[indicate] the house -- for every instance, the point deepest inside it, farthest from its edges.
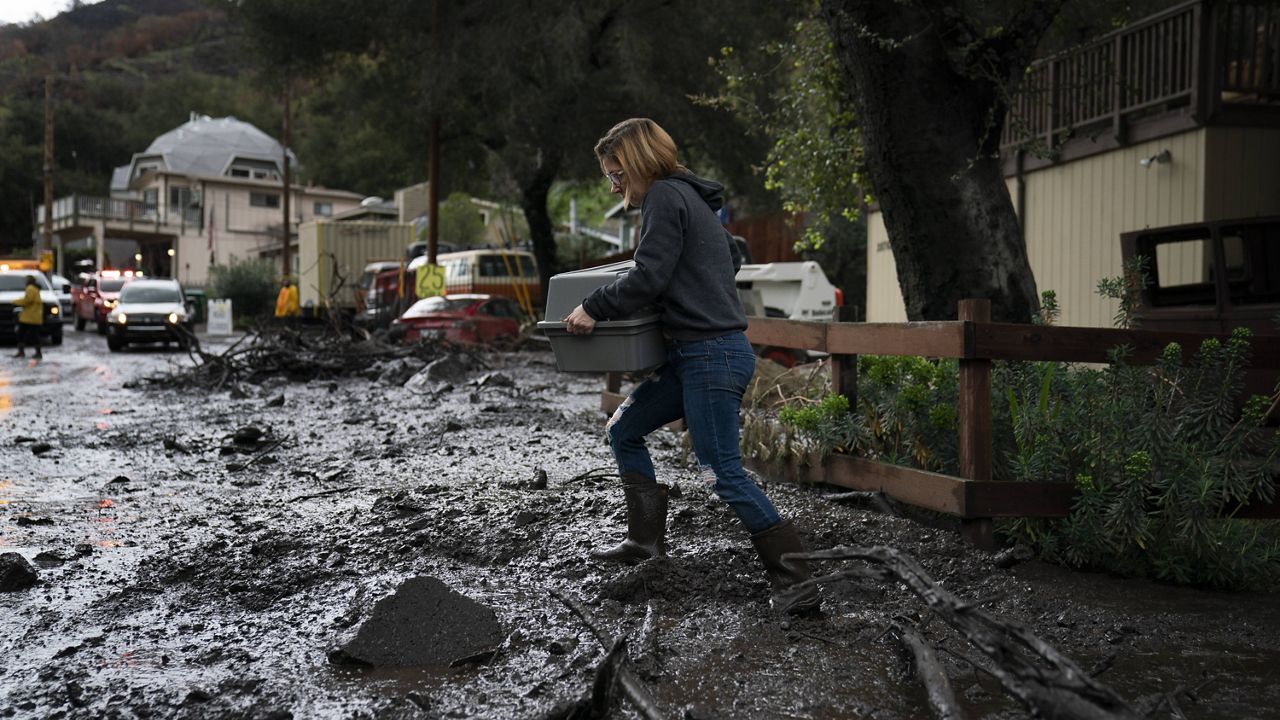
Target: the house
(207, 192)
(503, 223)
(1174, 119)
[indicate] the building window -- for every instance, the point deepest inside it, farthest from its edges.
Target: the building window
(266, 200)
(179, 197)
(323, 209)
(239, 172)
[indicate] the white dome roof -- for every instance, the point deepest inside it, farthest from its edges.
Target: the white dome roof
(207, 146)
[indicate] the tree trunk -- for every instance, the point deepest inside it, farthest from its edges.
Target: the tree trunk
(930, 135)
(534, 190)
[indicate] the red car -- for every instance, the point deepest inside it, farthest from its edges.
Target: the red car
(464, 319)
(97, 295)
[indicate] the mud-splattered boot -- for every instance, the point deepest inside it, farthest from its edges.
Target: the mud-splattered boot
(771, 545)
(646, 522)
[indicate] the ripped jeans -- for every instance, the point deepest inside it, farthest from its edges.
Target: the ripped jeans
(702, 382)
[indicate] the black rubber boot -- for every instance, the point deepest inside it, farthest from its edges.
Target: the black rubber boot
(646, 522)
(771, 545)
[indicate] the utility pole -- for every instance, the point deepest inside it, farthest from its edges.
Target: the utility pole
(48, 165)
(288, 186)
(433, 163)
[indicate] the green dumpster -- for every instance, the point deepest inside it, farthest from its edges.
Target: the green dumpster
(196, 301)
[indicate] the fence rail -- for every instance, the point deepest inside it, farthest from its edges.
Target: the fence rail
(975, 341)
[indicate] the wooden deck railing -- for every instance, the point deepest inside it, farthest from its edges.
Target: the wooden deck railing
(974, 497)
(1195, 55)
(69, 211)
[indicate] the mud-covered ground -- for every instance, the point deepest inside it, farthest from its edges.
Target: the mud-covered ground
(183, 574)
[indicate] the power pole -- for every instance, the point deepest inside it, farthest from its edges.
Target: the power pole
(288, 186)
(48, 165)
(433, 163)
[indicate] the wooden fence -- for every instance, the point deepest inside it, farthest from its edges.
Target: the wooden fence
(975, 342)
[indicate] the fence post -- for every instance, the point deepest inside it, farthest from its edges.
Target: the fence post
(844, 368)
(975, 419)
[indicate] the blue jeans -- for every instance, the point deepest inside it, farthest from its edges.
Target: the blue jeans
(702, 382)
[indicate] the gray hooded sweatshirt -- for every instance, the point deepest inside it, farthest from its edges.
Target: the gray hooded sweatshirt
(686, 264)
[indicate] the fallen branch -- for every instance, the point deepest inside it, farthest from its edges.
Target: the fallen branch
(273, 349)
(873, 498)
(262, 452)
(1035, 673)
(941, 697)
(599, 473)
(632, 687)
(334, 491)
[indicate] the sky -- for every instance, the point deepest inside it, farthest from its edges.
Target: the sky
(16, 11)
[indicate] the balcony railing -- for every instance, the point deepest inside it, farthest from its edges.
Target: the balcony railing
(1198, 56)
(70, 210)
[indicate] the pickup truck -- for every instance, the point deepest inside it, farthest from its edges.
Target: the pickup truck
(793, 290)
(96, 294)
(1210, 276)
(1213, 277)
(13, 284)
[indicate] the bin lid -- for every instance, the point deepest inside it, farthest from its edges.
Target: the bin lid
(567, 290)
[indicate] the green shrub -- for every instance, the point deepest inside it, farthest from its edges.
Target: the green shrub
(1161, 455)
(1162, 459)
(250, 286)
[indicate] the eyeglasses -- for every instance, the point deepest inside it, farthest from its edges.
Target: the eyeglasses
(614, 177)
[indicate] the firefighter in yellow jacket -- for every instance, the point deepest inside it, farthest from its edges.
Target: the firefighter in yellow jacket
(287, 301)
(30, 319)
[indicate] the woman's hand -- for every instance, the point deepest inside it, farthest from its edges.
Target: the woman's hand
(579, 322)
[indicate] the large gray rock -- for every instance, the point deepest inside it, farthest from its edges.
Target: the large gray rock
(16, 573)
(422, 623)
(450, 368)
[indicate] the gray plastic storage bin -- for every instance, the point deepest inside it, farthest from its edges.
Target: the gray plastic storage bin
(623, 345)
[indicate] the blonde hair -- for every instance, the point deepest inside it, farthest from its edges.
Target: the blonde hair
(644, 150)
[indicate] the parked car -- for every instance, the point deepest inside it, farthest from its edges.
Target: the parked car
(13, 283)
(62, 288)
(468, 319)
(149, 311)
(507, 273)
(794, 290)
(96, 296)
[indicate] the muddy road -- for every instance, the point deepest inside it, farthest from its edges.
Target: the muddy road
(213, 554)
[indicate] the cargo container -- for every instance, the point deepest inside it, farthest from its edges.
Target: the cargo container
(333, 255)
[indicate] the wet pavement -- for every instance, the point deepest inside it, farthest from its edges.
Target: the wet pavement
(183, 573)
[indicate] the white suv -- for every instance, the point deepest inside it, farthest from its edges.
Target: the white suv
(149, 311)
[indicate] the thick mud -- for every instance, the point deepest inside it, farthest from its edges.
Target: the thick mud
(189, 567)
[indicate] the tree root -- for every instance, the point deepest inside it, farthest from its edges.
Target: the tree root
(1046, 682)
(632, 687)
(941, 697)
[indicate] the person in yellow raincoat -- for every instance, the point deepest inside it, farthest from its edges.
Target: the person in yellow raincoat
(30, 319)
(287, 301)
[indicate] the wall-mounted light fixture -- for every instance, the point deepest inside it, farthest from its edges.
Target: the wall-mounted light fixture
(1163, 157)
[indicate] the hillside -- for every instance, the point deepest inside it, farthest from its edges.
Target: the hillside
(124, 72)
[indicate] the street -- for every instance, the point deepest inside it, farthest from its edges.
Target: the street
(213, 554)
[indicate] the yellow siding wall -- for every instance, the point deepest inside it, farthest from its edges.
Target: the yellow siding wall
(1242, 173)
(884, 296)
(1077, 210)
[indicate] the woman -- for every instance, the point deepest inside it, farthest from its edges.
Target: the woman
(30, 319)
(685, 265)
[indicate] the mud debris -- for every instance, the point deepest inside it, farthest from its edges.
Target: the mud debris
(422, 623)
(16, 573)
(238, 585)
